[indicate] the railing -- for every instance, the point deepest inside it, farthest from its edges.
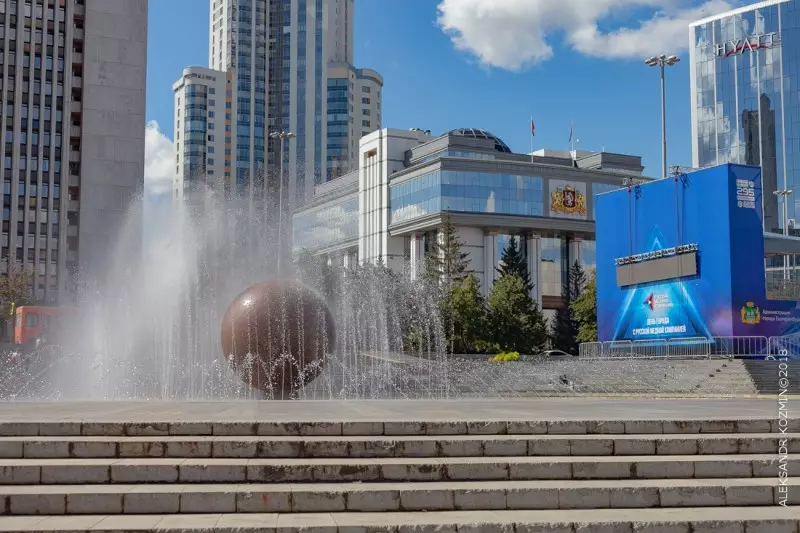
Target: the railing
(691, 348)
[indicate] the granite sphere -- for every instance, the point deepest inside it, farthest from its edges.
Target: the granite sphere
(276, 335)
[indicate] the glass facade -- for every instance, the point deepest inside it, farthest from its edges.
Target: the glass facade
(457, 153)
(746, 103)
(334, 224)
(338, 127)
(472, 192)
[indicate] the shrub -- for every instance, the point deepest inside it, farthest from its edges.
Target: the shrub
(505, 357)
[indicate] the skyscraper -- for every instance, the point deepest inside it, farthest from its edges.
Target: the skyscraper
(200, 107)
(73, 83)
(354, 110)
(354, 95)
(275, 54)
(743, 64)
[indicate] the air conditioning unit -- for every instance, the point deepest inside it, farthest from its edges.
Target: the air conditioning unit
(792, 223)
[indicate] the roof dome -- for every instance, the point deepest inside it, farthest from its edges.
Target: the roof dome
(499, 145)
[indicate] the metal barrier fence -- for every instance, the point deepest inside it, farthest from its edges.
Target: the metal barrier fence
(739, 346)
(691, 348)
(590, 350)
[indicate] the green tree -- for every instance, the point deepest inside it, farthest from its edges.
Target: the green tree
(446, 262)
(514, 263)
(446, 265)
(468, 313)
(565, 324)
(585, 310)
(514, 319)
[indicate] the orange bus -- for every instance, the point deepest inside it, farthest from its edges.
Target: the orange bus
(35, 322)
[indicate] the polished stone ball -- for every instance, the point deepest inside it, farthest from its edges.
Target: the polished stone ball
(275, 335)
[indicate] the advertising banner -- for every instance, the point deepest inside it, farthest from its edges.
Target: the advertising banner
(716, 290)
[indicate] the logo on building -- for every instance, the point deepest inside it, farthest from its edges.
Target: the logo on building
(745, 44)
(568, 200)
(650, 301)
(751, 314)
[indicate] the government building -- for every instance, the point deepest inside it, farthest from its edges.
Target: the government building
(391, 208)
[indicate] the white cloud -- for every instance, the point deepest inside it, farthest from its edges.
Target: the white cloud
(159, 160)
(513, 34)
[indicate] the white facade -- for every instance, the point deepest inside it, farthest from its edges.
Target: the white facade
(279, 74)
(200, 102)
(74, 150)
(381, 153)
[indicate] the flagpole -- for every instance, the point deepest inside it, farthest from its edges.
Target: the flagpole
(531, 128)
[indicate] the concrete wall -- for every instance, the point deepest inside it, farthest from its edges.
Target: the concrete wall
(112, 141)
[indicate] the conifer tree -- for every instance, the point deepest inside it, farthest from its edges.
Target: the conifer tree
(514, 263)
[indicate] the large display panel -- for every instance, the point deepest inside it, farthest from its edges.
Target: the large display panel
(709, 220)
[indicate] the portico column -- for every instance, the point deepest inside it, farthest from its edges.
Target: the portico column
(346, 259)
(574, 251)
(534, 255)
(417, 254)
(489, 261)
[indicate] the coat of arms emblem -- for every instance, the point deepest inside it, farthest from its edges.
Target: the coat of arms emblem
(751, 314)
(568, 200)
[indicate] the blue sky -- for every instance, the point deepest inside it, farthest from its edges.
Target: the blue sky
(468, 63)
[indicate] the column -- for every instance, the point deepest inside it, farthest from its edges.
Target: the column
(489, 261)
(575, 251)
(346, 259)
(534, 254)
(417, 254)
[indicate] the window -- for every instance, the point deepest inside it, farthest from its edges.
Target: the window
(365, 112)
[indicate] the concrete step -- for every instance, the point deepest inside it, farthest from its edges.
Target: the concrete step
(172, 470)
(773, 519)
(577, 426)
(404, 446)
(392, 497)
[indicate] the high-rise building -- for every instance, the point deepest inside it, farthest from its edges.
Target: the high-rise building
(200, 105)
(341, 32)
(354, 110)
(353, 94)
(744, 65)
(286, 62)
(73, 83)
(275, 53)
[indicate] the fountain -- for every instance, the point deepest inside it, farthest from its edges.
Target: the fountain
(151, 329)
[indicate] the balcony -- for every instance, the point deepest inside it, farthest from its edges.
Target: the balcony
(77, 57)
(77, 33)
(74, 180)
(75, 156)
(75, 131)
(76, 107)
(77, 82)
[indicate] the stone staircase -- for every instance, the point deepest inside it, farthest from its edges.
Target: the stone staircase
(766, 377)
(348, 477)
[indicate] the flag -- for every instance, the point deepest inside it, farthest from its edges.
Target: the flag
(533, 128)
(571, 128)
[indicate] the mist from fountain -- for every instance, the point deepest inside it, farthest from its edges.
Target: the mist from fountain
(150, 330)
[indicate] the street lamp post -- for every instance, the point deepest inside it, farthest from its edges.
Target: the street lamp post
(663, 61)
(282, 136)
(784, 194)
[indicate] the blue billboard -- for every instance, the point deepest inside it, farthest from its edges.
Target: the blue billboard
(713, 217)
